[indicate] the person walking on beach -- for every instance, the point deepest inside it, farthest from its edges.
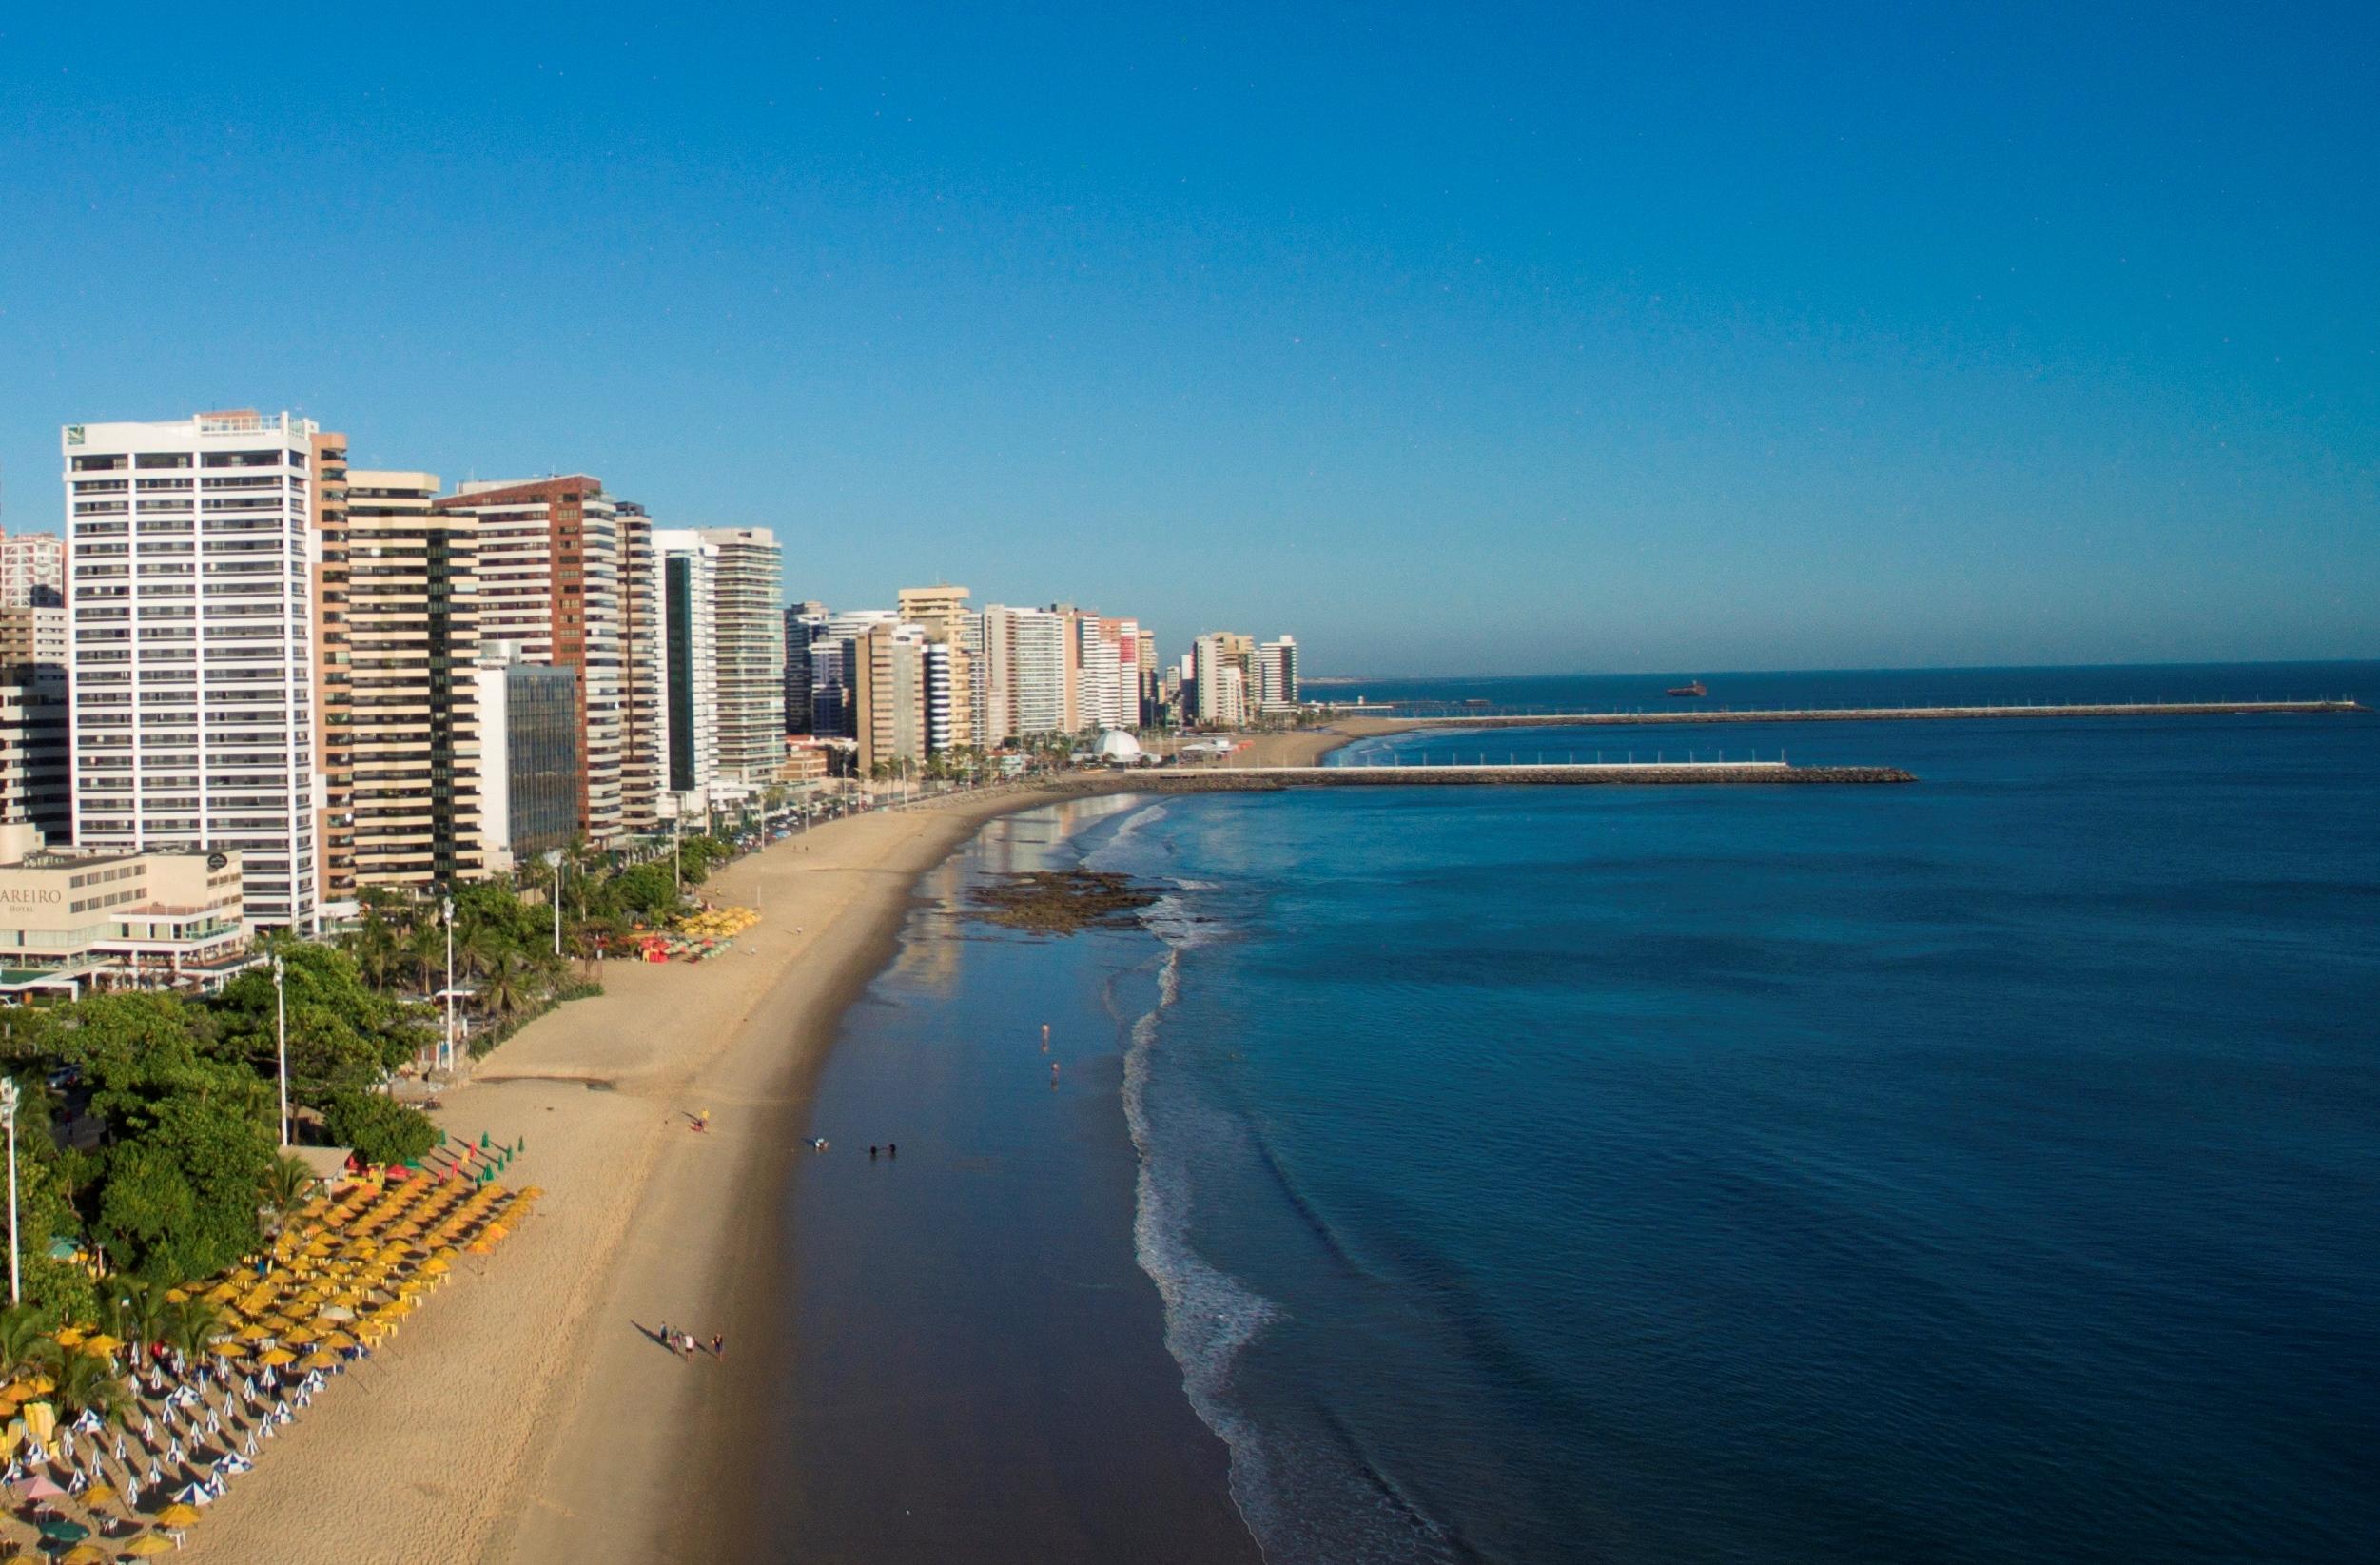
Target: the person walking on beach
(718, 1347)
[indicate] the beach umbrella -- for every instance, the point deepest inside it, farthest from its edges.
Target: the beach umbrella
(179, 1514)
(64, 1531)
(101, 1345)
(39, 1487)
(99, 1494)
(279, 1356)
(84, 1553)
(148, 1545)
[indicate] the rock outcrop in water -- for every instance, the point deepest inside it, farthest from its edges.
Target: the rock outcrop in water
(1061, 901)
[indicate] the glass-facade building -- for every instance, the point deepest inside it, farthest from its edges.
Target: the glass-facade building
(542, 756)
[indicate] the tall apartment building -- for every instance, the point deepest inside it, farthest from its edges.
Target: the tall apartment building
(644, 729)
(191, 671)
(690, 641)
(804, 622)
(833, 670)
(1277, 675)
(32, 571)
(1024, 686)
(940, 611)
(1222, 676)
(1152, 694)
(334, 814)
(34, 786)
(405, 640)
(1108, 689)
(950, 720)
(751, 651)
(529, 756)
(566, 578)
(887, 667)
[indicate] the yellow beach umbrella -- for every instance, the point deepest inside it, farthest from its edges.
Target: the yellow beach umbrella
(339, 1340)
(253, 1333)
(175, 1295)
(69, 1335)
(84, 1553)
(279, 1357)
(228, 1349)
(318, 1360)
(177, 1516)
(148, 1545)
(101, 1345)
(98, 1493)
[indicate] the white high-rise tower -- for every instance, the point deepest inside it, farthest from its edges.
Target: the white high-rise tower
(192, 658)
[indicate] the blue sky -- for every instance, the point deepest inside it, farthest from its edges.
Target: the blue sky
(1479, 338)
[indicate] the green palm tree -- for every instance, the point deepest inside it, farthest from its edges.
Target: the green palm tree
(188, 1326)
(26, 1344)
(506, 990)
(426, 948)
(376, 952)
(88, 1384)
(137, 1310)
(288, 1180)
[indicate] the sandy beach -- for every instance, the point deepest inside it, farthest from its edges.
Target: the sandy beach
(526, 1415)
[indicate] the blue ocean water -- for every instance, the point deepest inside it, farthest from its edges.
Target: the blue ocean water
(1984, 1169)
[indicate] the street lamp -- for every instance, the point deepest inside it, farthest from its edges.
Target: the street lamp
(446, 915)
(281, 1032)
(553, 862)
(7, 1107)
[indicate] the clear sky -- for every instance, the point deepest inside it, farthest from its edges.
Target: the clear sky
(1460, 339)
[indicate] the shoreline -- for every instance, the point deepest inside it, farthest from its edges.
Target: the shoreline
(524, 1416)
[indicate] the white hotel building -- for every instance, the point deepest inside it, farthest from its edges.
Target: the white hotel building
(188, 591)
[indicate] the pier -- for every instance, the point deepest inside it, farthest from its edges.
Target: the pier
(1196, 779)
(1353, 722)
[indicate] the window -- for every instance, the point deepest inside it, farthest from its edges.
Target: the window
(98, 464)
(162, 458)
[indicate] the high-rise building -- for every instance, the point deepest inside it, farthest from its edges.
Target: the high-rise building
(334, 812)
(565, 576)
(833, 665)
(529, 766)
(403, 638)
(34, 784)
(949, 722)
(1151, 695)
(644, 727)
(936, 610)
(1024, 685)
(751, 651)
(191, 671)
(1277, 675)
(1222, 676)
(889, 680)
(804, 621)
(689, 639)
(32, 571)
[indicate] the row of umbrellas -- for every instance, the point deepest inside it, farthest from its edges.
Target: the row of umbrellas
(337, 1280)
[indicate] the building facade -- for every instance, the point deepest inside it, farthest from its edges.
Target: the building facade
(191, 668)
(75, 922)
(804, 621)
(32, 571)
(566, 577)
(749, 652)
(1277, 675)
(404, 637)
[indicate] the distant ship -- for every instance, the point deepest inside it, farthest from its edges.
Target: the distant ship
(1692, 693)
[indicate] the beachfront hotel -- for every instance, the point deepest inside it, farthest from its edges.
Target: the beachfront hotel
(73, 922)
(192, 665)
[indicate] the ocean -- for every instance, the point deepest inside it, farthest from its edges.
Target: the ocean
(1986, 1169)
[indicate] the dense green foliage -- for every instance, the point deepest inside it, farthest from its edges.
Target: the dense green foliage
(378, 1129)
